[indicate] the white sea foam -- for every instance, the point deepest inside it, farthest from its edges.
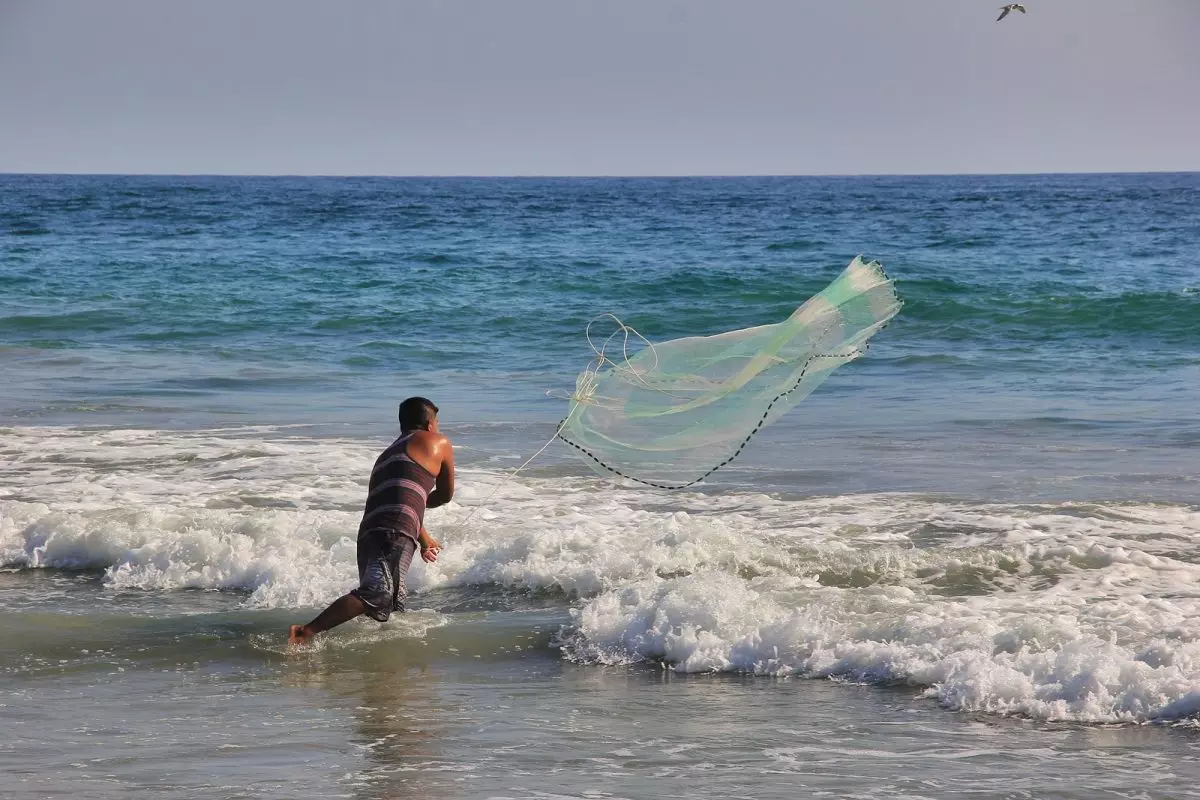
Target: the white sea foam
(1086, 611)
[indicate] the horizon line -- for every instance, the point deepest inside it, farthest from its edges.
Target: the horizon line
(595, 176)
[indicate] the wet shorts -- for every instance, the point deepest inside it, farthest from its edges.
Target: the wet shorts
(384, 556)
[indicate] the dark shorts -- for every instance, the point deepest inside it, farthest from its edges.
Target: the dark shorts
(384, 557)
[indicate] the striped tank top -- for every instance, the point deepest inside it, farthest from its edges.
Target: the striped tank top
(398, 492)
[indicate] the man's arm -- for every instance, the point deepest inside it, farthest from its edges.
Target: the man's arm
(444, 490)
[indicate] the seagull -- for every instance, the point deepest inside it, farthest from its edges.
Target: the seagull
(1004, 10)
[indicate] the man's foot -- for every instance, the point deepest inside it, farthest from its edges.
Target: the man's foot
(299, 634)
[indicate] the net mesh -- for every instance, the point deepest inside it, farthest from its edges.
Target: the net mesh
(671, 414)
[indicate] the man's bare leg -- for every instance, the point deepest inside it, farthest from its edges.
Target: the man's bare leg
(344, 609)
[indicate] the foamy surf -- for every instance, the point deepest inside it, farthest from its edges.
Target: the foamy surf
(1085, 612)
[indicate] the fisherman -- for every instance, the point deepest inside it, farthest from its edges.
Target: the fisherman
(415, 472)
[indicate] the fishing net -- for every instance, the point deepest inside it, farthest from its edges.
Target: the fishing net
(671, 414)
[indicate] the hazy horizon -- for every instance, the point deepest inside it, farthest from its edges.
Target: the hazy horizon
(699, 176)
(567, 88)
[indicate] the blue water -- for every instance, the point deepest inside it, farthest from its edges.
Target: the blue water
(1042, 312)
(968, 563)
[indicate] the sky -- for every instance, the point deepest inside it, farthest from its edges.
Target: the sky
(599, 87)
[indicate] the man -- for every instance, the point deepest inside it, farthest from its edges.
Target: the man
(415, 472)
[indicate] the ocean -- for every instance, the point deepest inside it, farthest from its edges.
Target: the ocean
(969, 564)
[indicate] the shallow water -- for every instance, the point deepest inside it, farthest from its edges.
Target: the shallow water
(481, 707)
(967, 565)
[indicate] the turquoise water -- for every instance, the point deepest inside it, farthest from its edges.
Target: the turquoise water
(982, 534)
(1039, 308)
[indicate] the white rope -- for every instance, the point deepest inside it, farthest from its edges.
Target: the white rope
(585, 390)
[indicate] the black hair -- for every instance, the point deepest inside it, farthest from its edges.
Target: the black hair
(416, 413)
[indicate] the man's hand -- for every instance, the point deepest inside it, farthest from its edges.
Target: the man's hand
(430, 547)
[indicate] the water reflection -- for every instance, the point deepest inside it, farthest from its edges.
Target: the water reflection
(399, 723)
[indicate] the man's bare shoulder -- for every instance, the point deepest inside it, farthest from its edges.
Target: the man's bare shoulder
(430, 440)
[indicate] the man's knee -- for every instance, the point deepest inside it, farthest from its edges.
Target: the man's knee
(376, 589)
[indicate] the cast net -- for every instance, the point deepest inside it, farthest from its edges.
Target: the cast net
(671, 414)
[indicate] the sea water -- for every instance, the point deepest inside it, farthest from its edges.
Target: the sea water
(968, 564)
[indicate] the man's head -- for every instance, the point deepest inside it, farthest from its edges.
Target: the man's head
(418, 414)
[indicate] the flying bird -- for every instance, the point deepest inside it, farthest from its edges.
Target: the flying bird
(1004, 10)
